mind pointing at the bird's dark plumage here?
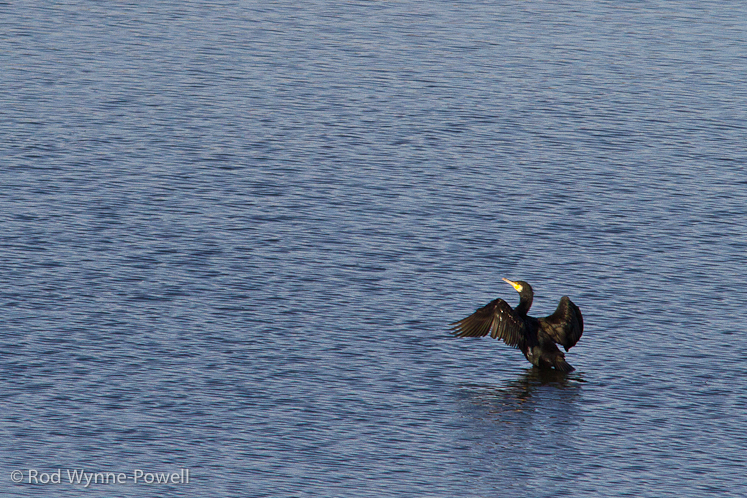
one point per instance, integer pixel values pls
(566, 325)
(536, 338)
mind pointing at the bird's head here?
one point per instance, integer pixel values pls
(523, 288)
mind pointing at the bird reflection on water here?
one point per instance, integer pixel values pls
(524, 430)
(533, 388)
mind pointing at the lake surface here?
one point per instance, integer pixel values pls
(232, 237)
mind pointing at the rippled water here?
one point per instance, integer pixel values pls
(232, 237)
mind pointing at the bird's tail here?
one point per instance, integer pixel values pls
(562, 365)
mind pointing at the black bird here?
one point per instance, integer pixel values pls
(536, 337)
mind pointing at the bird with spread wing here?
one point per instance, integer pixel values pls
(535, 337)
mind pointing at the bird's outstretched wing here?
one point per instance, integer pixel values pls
(496, 318)
(566, 325)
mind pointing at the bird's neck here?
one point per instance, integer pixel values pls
(524, 304)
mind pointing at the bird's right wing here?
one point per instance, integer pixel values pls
(566, 325)
(496, 318)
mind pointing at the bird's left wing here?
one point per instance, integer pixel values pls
(566, 325)
(496, 318)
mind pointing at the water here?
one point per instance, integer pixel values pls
(232, 237)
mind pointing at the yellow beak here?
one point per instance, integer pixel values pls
(516, 286)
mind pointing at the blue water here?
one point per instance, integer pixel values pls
(232, 237)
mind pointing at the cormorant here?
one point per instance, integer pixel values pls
(536, 337)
